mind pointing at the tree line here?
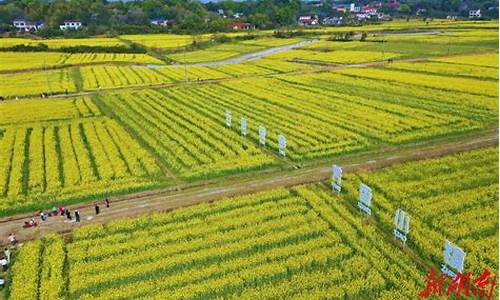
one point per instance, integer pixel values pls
(190, 16)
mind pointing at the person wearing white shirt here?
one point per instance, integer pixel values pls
(4, 263)
(6, 251)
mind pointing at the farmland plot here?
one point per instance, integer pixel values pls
(70, 153)
(192, 144)
(281, 243)
(286, 243)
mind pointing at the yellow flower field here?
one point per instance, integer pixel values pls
(38, 60)
(302, 242)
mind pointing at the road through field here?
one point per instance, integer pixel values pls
(181, 196)
(252, 56)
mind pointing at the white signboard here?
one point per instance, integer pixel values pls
(402, 224)
(262, 135)
(229, 118)
(282, 144)
(337, 178)
(454, 258)
(365, 198)
(243, 126)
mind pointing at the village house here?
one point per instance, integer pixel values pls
(354, 8)
(238, 25)
(369, 10)
(71, 24)
(334, 20)
(308, 20)
(474, 13)
(159, 22)
(27, 26)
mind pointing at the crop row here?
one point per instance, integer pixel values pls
(38, 270)
(296, 243)
(12, 61)
(60, 159)
(34, 111)
(335, 57)
(452, 198)
(102, 77)
(53, 81)
(281, 243)
(190, 143)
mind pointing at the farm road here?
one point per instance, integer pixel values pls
(251, 56)
(181, 196)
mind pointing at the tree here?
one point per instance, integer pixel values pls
(260, 20)
(404, 9)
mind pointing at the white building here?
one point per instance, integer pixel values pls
(354, 9)
(474, 13)
(71, 24)
(159, 22)
(25, 25)
(309, 20)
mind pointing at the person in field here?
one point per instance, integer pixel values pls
(77, 216)
(6, 251)
(97, 209)
(4, 263)
(31, 223)
(61, 210)
(12, 239)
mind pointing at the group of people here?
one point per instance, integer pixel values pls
(63, 212)
(5, 259)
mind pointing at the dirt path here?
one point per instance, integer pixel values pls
(166, 200)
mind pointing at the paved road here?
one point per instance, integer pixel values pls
(168, 199)
(251, 56)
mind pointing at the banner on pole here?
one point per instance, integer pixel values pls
(282, 144)
(243, 124)
(262, 135)
(336, 178)
(402, 224)
(229, 118)
(365, 198)
(454, 258)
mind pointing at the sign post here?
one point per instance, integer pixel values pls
(282, 144)
(365, 198)
(243, 124)
(229, 118)
(262, 135)
(336, 179)
(402, 224)
(454, 258)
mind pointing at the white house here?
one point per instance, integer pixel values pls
(159, 22)
(309, 20)
(71, 24)
(354, 9)
(25, 25)
(474, 13)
